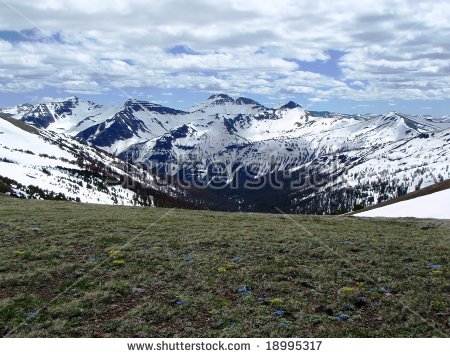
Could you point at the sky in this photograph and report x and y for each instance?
(344, 56)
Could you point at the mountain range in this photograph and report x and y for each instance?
(236, 154)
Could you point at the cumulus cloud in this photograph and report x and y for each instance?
(391, 49)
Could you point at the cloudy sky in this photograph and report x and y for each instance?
(347, 56)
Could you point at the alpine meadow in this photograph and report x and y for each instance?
(255, 176)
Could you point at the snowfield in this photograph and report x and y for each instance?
(433, 206)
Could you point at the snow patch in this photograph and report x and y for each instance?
(435, 206)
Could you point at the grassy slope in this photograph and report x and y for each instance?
(56, 255)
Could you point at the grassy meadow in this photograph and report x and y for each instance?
(77, 270)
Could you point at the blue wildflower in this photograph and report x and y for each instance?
(278, 313)
(32, 315)
(434, 267)
(235, 259)
(181, 302)
(342, 317)
(347, 307)
(244, 290)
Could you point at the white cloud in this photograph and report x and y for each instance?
(317, 99)
(394, 50)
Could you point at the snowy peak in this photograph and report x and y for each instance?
(138, 106)
(40, 116)
(69, 115)
(133, 122)
(221, 97)
(249, 101)
(410, 125)
(216, 100)
(222, 104)
(17, 112)
(71, 99)
(224, 99)
(392, 116)
(290, 105)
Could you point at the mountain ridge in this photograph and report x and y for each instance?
(403, 150)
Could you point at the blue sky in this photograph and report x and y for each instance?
(372, 56)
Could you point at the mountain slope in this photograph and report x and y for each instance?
(435, 205)
(43, 164)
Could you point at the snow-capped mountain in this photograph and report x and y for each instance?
(43, 164)
(17, 111)
(336, 161)
(132, 122)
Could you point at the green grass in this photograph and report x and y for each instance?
(71, 270)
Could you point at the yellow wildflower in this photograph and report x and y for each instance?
(114, 253)
(347, 290)
(276, 301)
(439, 305)
(225, 268)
